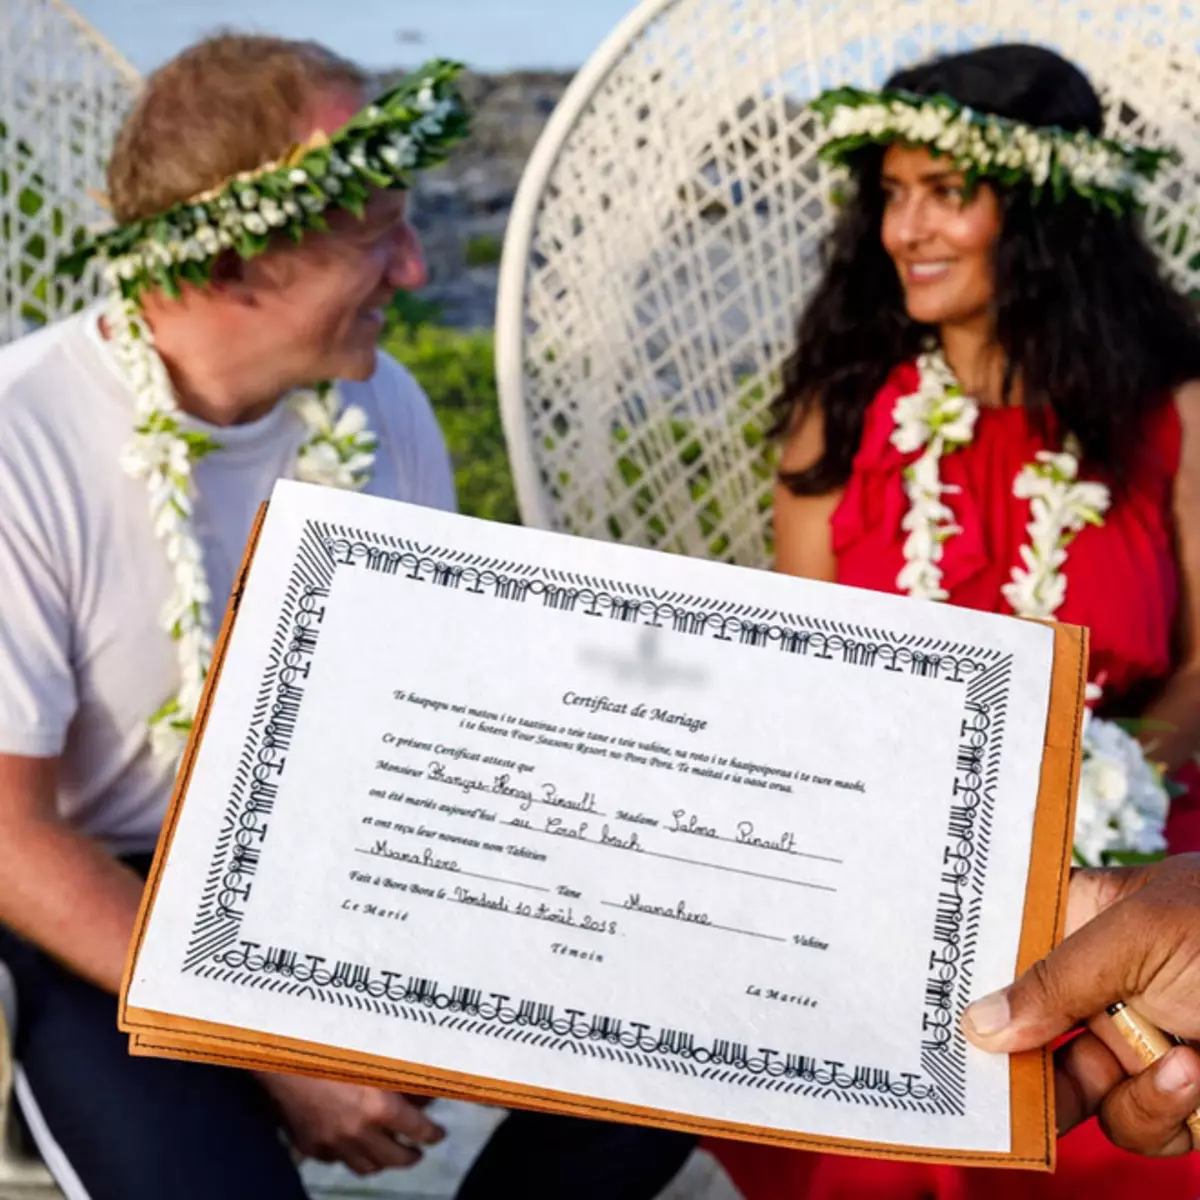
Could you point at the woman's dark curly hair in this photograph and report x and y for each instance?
(1083, 314)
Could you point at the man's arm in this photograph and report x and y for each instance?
(59, 889)
(1134, 936)
(66, 894)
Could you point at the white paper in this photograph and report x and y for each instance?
(745, 848)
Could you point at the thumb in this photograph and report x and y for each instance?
(1096, 966)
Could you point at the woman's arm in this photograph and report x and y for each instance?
(1178, 705)
(803, 543)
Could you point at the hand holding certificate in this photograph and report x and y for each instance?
(551, 823)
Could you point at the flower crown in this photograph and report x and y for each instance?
(411, 127)
(1052, 161)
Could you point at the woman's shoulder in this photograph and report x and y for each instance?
(1186, 407)
(1177, 429)
(1169, 438)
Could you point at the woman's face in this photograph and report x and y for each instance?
(940, 241)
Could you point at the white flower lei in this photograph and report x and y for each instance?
(935, 418)
(1123, 800)
(1050, 160)
(338, 451)
(1086, 161)
(938, 418)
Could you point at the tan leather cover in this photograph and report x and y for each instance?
(1032, 1081)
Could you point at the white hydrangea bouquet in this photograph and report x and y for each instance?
(1124, 797)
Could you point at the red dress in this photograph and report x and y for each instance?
(1122, 582)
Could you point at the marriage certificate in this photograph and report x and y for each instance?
(501, 814)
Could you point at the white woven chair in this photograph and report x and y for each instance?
(63, 93)
(22, 1174)
(668, 227)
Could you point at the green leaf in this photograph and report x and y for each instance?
(1130, 858)
(199, 444)
(1135, 725)
(375, 177)
(164, 277)
(168, 709)
(195, 273)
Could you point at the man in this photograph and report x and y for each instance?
(1133, 936)
(84, 659)
(136, 442)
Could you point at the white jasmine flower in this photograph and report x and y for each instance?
(167, 741)
(249, 199)
(956, 420)
(208, 239)
(361, 462)
(319, 464)
(912, 424)
(351, 423)
(272, 212)
(312, 409)
(255, 223)
(405, 149)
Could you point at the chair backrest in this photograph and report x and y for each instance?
(669, 226)
(63, 92)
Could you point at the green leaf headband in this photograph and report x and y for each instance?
(410, 127)
(1052, 161)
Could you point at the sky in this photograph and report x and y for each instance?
(488, 35)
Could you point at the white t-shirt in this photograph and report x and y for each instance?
(83, 659)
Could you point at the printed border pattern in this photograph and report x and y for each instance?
(965, 858)
(264, 755)
(721, 620)
(468, 1010)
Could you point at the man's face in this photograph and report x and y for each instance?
(322, 301)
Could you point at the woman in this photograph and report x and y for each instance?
(975, 313)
